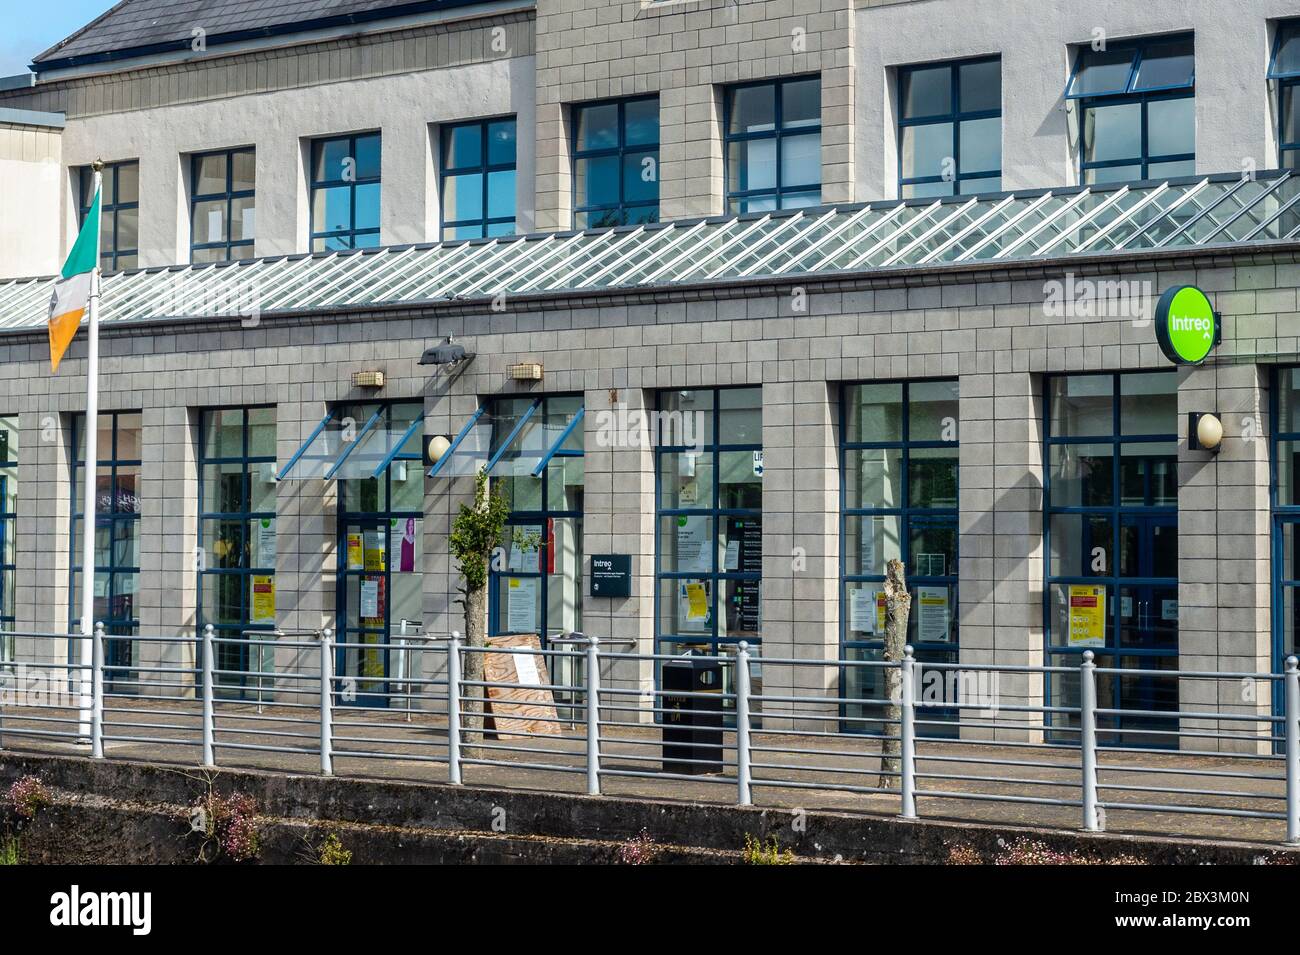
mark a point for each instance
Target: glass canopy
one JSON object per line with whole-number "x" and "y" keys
{"x": 1113, "y": 220}
{"x": 341, "y": 448}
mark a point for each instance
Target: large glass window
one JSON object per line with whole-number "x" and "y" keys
{"x": 117, "y": 529}
{"x": 222, "y": 186}
{"x": 709, "y": 519}
{"x": 478, "y": 179}
{"x": 8, "y": 525}
{"x": 774, "y": 145}
{"x": 899, "y": 465}
{"x": 380, "y": 548}
{"x": 1284, "y": 70}
{"x": 237, "y": 542}
{"x": 616, "y": 163}
{"x": 1112, "y": 545}
{"x": 1137, "y": 111}
{"x": 950, "y": 128}
{"x": 1286, "y": 516}
{"x": 119, "y": 224}
{"x": 345, "y": 192}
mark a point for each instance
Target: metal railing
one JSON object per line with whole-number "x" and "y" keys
{"x": 788, "y": 728}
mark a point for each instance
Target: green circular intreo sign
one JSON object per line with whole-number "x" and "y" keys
{"x": 1187, "y": 327}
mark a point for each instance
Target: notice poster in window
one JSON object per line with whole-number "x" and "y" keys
{"x": 1087, "y": 615}
{"x": 867, "y": 546}
{"x": 263, "y": 599}
{"x": 265, "y": 551}
{"x": 732, "y": 560}
{"x": 369, "y": 598}
{"x": 406, "y": 560}
{"x": 521, "y": 604}
{"x": 374, "y": 543}
{"x": 932, "y": 609}
{"x": 693, "y": 606}
{"x": 1169, "y": 611}
{"x": 862, "y": 616}
{"x": 931, "y": 565}
{"x": 693, "y": 544}
{"x": 355, "y": 559}
{"x": 524, "y": 548}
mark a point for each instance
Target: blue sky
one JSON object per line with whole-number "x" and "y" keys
{"x": 29, "y": 27}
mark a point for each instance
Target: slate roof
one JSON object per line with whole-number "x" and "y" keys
{"x": 137, "y": 27}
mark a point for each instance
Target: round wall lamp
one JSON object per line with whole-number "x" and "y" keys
{"x": 1204, "y": 432}
{"x": 435, "y": 446}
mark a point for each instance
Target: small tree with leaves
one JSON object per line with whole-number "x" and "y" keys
{"x": 898, "y": 608}
{"x": 475, "y": 535}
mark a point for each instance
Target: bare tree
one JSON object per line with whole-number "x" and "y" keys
{"x": 898, "y": 607}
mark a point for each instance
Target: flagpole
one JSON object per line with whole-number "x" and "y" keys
{"x": 90, "y": 467}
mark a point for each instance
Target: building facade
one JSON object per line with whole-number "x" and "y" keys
{"x": 807, "y": 286}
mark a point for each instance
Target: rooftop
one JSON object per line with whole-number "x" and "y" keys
{"x": 1213, "y": 213}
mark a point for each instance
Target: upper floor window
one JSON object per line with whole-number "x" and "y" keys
{"x": 774, "y": 145}
{"x": 616, "y": 163}
{"x": 1284, "y": 69}
{"x": 221, "y": 210}
{"x": 478, "y": 179}
{"x": 345, "y": 193}
{"x": 8, "y": 523}
{"x": 950, "y": 129}
{"x": 1137, "y": 116}
{"x": 119, "y": 223}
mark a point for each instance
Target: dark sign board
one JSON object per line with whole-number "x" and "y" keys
{"x": 611, "y": 575}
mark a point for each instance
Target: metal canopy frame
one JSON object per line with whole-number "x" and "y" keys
{"x": 1197, "y": 212}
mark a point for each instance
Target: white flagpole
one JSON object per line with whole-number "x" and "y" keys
{"x": 90, "y": 462}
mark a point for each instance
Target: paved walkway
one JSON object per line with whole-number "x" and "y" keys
{"x": 977, "y": 780}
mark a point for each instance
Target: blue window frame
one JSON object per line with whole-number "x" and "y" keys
{"x": 380, "y": 548}
{"x": 1284, "y": 70}
{"x": 119, "y": 224}
{"x": 117, "y": 531}
{"x": 773, "y": 144}
{"x": 616, "y": 163}
{"x": 898, "y": 500}
{"x": 8, "y": 523}
{"x": 1137, "y": 111}
{"x": 950, "y": 128}
{"x": 709, "y": 521}
{"x": 345, "y": 192}
{"x": 237, "y": 531}
{"x": 223, "y": 189}
{"x": 1111, "y": 540}
{"x": 478, "y": 179}
{"x": 1285, "y": 499}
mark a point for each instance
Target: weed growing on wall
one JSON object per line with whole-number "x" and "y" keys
{"x": 758, "y": 852}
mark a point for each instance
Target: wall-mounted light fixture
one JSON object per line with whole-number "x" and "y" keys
{"x": 435, "y": 446}
{"x": 1204, "y": 432}
{"x": 367, "y": 379}
{"x": 525, "y": 371}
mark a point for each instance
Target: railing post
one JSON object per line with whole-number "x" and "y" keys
{"x": 744, "y": 787}
{"x": 1088, "y": 740}
{"x": 1291, "y": 680}
{"x": 907, "y": 736}
{"x": 453, "y": 708}
{"x": 97, "y": 693}
{"x": 593, "y": 717}
{"x": 208, "y": 692}
{"x": 326, "y": 703}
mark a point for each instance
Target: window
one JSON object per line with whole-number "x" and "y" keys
{"x": 119, "y": 224}
{"x": 774, "y": 145}
{"x": 236, "y": 530}
{"x": 221, "y": 210}
{"x": 1286, "y": 516}
{"x": 709, "y": 520}
{"x": 345, "y": 193}
{"x": 1112, "y": 545}
{"x": 1284, "y": 69}
{"x": 899, "y": 501}
{"x": 8, "y": 525}
{"x": 616, "y": 163}
{"x": 950, "y": 129}
{"x": 1137, "y": 111}
{"x": 380, "y": 546}
{"x": 478, "y": 179}
{"x": 117, "y": 530}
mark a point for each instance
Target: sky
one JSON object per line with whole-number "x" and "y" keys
{"x": 29, "y": 27}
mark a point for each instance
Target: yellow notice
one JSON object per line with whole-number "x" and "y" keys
{"x": 1087, "y": 615}
{"x": 263, "y": 598}
{"x": 697, "y": 602}
{"x": 355, "y": 560}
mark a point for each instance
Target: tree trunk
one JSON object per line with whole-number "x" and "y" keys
{"x": 471, "y": 719}
{"x": 898, "y": 607}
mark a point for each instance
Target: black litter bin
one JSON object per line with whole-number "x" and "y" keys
{"x": 692, "y": 724}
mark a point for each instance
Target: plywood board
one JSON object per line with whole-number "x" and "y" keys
{"x": 525, "y": 707}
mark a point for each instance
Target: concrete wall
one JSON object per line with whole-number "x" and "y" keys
{"x": 31, "y": 158}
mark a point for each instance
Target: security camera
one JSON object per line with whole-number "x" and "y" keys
{"x": 446, "y": 354}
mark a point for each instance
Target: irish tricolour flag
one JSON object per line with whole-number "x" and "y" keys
{"x": 72, "y": 291}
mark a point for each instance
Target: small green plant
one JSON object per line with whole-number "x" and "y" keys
{"x": 227, "y": 825}
{"x": 332, "y": 851}
{"x": 28, "y": 796}
{"x": 10, "y": 852}
{"x": 757, "y": 852}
